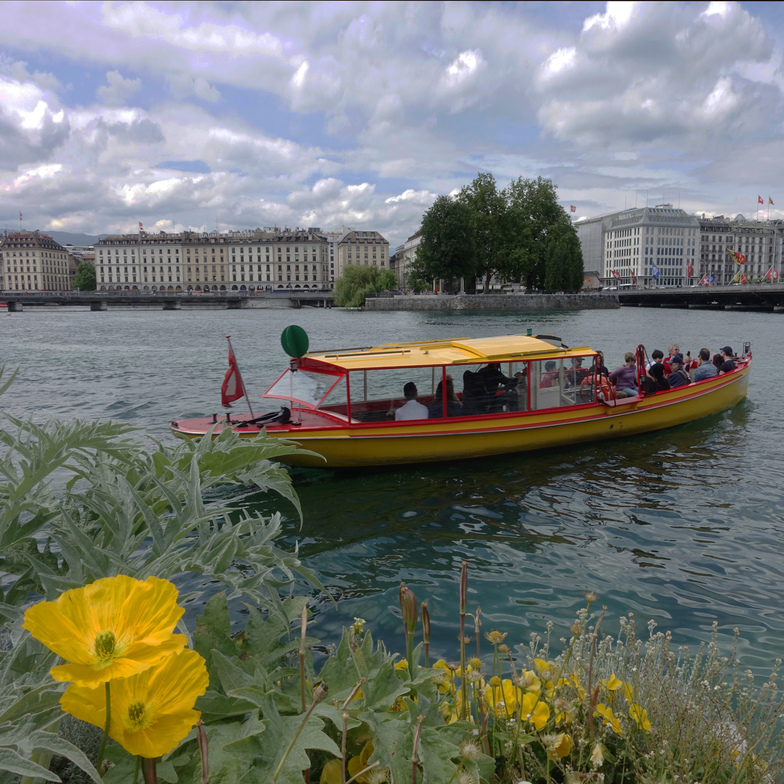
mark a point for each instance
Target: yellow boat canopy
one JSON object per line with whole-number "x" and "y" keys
{"x": 461, "y": 351}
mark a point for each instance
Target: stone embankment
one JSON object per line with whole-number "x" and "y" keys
{"x": 603, "y": 301}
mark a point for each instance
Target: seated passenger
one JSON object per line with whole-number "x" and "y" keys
{"x": 550, "y": 375}
{"x": 706, "y": 368}
{"x": 625, "y": 377}
{"x": 673, "y": 351}
{"x": 657, "y": 356}
{"x": 718, "y": 361}
{"x": 654, "y": 379}
{"x": 497, "y": 388}
{"x": 598, "y": 362}
{"x": 729, "y": 362}
{"x": 411, "y": 409}
{"x": 576, "y": 373}
{"x": 678, "y": 376}
{"x": 453, "y": 407}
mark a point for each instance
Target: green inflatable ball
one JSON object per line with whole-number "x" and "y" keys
{"x": 295, "y": 342}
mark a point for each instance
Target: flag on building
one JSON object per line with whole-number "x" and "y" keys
{"x": 704, "y": 280}
{"x": 743, "y": 278}
{"x": 772, "y": 275}
{"x": 736, "y": 279}
{"x": 231, "y": 389}
{"x": 775, "y": 276}
{"x": 141, "y": 228}
{"x": 634, "y": 278}
{"x": 574, "y": 209}
{"x": 712, "y": 279}
{"x": 690, "y": 268}
{"x": 616, "y": 275}
{"x": 770, "y": 201}
{"x": 738, "y": 258}
{"x": 759, "y": 200}
{"x": 655, "y": 271}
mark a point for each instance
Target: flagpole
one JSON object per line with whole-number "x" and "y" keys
{"x": 242, "y": 383}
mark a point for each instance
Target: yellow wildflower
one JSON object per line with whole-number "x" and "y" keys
{"x": 113, "y": 628}
{"x": 330, "y": 773}
{"x": 608, "y": 717}
{"x": 535, "y": 711}
{"x": 640, "y": 716}
{"x": 528, "y": 681}
{"x": 151, "y": 711}
{"x": 597, "y": 755}
{"x": 558, "y": 746}
{"x": 495, "y": 637}
{"x": 475, "y": 663}
{"x": 356, "y": 764}
{"x": 628, "y": 692}
{"x": 612, "y": 683}
{"x": 503, "y": 699}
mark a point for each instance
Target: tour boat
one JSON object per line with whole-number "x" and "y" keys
{"x": 503, "y": 395}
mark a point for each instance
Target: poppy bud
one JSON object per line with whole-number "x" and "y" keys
{"x": 408, "y": 607}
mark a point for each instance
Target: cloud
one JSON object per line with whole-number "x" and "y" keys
{"x": 183, "y": 85}
{"x": 118, "y": 90}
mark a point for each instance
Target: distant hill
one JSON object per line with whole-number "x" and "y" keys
{"x": 66, "y": 238}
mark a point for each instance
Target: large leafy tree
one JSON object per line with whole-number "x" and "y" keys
{"x": 564, "y": 259}
{"x": 446, "y": 251}
{"x": 84, "y": 279}
{"x": 488, "y": 225}
{"x": 358, "y": 281}
{"x": 533, "y": 212}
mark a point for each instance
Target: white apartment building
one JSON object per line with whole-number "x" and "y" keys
{"x": 366, "y": 248}
{"x": 762, "y": 243}
{"x": 261, "y": 259}
{"x": 404, "y": 257}
{"x": 31, "y": 261}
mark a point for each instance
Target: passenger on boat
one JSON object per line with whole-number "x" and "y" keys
{"x": 667, "y": 362}
{"x": 718, "y": 361}
{"x": 453, "y": 407}
{"x": 576, "y": 373}
{"x": 625, "y": 377}
{"x": 729, "y": 362}
{"x": 598, "y": 360}
{"x": 654, "y": 379}
{"x": 497, "y": 387}
{"x": 678, "y": 376}
{"x": 706, "y": 368}
{"x": 550, "y": 375}
{"x": 411, "y": 409}
{"x": 657, "y": 356}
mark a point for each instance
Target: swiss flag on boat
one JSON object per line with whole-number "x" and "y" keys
{"x": 231, "y": 389}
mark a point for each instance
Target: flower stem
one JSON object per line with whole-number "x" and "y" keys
{"x": 102, "y": 747}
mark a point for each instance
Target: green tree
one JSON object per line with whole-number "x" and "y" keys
{"x": 533, "y": 212}
{"x": 564, "y": 259}
{"x": 489, "y": 225}
{"x": 358, "y": 281}
{"x": 446, "y": 251}
{"x": 84, "y": 279}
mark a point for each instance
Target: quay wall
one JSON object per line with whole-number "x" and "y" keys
{"x": 604, "y": 301}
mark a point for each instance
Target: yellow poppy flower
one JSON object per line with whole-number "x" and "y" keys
{"x": 330, "y": 773}
{"x": 112, "y": 628}
{"x": 152, "y": 711}
{"x": 502, "y": 699}
{"x": 558, "y": 746}
{"x": 608, "y": 717}
{"x": 640, "y": 716}
{"x": 612, "y": 683}
{"x": 534, "y": 711}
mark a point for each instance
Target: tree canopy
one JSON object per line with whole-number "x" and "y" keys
{"x": 358, "y": 281}
{"x": 520, "y": 233}
{"x": 84, "y": 279}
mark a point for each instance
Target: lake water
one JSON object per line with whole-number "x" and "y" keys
{"x": 682, "y": 526}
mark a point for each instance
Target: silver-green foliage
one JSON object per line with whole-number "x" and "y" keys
{"x": 80, "y": 501}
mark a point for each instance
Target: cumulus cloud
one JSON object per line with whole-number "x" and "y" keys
{"x": 118, "y": 90}
{"x": 184, "y": 85}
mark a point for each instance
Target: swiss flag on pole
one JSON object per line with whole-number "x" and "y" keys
{"x": 231, "y": 389}
{"x": 573, "y": 208}
{"x": 691, "y": 269}
{"x": 772, "y": 275}
{"x": 760, "y": 200}
{"x": 704, "y": 281}
{"x": 616, "y": 275}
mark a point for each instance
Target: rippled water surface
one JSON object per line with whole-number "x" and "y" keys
{"x": 682, "y": 526}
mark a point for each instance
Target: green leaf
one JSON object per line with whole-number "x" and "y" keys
{"x": 12, "y": 762}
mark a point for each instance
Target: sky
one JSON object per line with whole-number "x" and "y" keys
{"x": 232, "y": 115}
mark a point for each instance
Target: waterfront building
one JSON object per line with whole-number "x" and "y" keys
{"x": 644, "y": 246}
{"x": 269, "y": 259}
{"x": 404, "y": 257}
{"x": 31, "y": 261}
{"x": 366, "y": 248}
{"x": 761, "y": 243}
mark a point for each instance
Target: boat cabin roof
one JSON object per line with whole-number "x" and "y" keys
{"x": 458, "y": 351}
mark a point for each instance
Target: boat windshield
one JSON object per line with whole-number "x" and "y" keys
{"x": 304, "y": 387}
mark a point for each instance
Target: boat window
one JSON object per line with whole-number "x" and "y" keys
{"x": 377, "y": 394}
{"x": 491, "y": 388}
{"x": 303, "y": 386}
{"x": 560, "y": 382}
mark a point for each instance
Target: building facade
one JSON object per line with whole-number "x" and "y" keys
{"x": 31, "y": 261}
{"x": 269, "y": 259}
{"x": 761, "y": 243}
{"x": 367, "y": 248}
{"x": 404, "y": 258}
